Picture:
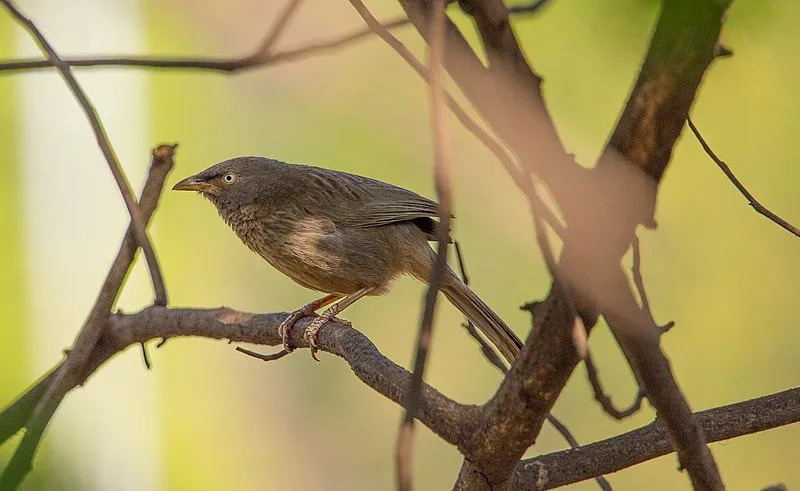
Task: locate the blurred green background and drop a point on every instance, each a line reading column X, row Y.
column 207, row 417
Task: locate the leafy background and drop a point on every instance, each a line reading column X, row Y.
column 206, row 417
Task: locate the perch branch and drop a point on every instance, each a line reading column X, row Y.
column 444, row 416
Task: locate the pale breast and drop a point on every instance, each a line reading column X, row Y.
column 312, row 252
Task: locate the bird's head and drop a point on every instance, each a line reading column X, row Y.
column 233, row 183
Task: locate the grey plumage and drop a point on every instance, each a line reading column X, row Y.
column 336, row 232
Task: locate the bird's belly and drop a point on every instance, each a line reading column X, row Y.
column 320, row 261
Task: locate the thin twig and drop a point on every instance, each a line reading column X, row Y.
column 278, row 28
column 638, row 280
column 36, row 413
column 736, row 182
column 270, row 357
column 573, row 443
column 488, row 351
column 145, row 356
column 636, row 272
column 605, row 400
column 105, row 146
column 256, row 59
column 442, row 179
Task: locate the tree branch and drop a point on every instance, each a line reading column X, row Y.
column 447, row 418
column 752, row 201
column 651, row 441
column 35, row 409
column 105, row 147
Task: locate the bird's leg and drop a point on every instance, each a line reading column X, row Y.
column 306, row 310
column 310, row 334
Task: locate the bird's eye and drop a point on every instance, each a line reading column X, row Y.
column 229, row 178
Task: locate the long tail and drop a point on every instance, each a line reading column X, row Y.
column 465, row 300
column 490, row 324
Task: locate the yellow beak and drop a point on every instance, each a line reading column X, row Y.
column 193, row 183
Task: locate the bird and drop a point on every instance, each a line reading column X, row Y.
column 340, row 234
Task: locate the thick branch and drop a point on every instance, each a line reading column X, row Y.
column 651, row 441
column 447, row 418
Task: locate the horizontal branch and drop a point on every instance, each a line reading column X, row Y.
column 257, row 58
column 651, row 441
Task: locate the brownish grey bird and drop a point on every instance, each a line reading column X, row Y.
column 337, row 233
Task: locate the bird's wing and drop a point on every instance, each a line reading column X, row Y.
column 365, row 202
column 377, row 203
column 391, row 207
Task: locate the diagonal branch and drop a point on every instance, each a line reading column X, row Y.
column 105, row 147
column 280, row 25
column 742, row 189
column 36, row 408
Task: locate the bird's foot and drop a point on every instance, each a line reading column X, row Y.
column 310, row 334
column 286, row 326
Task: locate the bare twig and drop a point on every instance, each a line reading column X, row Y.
column 604, row 399
column 443, row 179
column 105, row 147
column 651, row 441
column 573, row 443
column 488, row 351
column 256, row 59
column 278, row 28
column 271, row 357
column 636, row 272
column 36, row 413
column 742, row 189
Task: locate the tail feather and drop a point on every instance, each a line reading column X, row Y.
column 484, row 318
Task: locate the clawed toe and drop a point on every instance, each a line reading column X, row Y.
column 285, row 328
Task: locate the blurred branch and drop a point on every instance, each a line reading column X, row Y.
column 443, row 183
column 742, row 189
column 261, row 56
column 105, row 146
column 278, row 28
column 258, row 58
column 651, row 441
column 35, row 411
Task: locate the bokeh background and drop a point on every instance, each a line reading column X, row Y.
column 207, row 417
